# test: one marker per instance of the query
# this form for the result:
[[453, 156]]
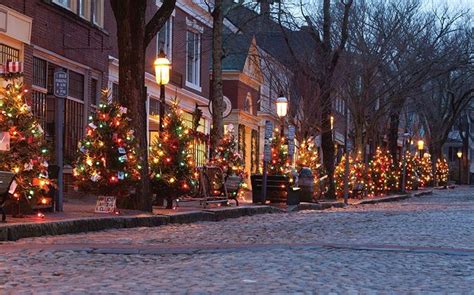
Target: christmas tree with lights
[[442, 171], [393, 175], [339, 174], [308, 157], [107, 156], [280, 163], [171, 158], [25, 152], [379, 168], [227, 156], [361, 180], [411, 177], [425, 170]]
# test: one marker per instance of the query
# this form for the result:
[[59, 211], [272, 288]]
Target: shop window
[[193, 66], [164, 39], [73, 128], [76, 85], [8, 53], [115, 92], [39, 72], [154, 108], [38, 107]]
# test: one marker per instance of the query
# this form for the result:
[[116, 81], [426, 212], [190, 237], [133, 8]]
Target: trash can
[[293, 198], [306, 183]]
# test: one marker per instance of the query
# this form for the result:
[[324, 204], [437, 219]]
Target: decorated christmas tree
[[171, 158], [442, 171], [393, 175], [107, 156], [361, 180], [379, 168], [411, 177], [425, 170], [23, 148], [227, 156], [308, 157], [280, 163], [339, 173]]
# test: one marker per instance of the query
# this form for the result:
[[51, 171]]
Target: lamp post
[[459, 154], [421, 147], [162, 75], [282, 110]]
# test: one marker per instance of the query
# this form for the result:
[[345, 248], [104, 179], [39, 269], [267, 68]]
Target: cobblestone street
[[423, 244]]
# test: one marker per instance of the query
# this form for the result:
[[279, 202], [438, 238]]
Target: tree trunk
[[393, 134], [435, 148], [327, 143], [217, 98], [130, 37]]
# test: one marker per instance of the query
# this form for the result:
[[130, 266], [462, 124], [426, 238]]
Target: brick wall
[[64, 33]]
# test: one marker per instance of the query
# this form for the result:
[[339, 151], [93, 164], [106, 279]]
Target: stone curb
[[394, 198], [27, 230]]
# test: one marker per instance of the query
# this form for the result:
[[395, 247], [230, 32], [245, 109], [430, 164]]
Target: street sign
[[291, 147], [61, 83], [291, 132], [267, 153], [268, 129]]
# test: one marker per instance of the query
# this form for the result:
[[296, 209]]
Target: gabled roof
[[236, 51]]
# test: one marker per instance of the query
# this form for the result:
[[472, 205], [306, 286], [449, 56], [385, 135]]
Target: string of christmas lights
[[107, 156], [28, 153], [171, 158]]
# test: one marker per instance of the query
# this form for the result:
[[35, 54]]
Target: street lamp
[[459, 154], [162, 75], [421, 147], [282, 110]]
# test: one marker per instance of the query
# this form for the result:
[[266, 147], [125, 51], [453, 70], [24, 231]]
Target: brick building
[[186, 41], [58, 34], [80, 37]]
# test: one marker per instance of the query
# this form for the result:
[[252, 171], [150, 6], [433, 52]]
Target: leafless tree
[[134, 33]]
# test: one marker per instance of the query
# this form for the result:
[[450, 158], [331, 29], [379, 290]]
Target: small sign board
[[267, 153], [291, 132], [232, 183], [4, 141], [61, 83], [106, 204], [291, 147], [268, 129]]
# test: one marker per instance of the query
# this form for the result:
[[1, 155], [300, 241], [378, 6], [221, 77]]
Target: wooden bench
[[277, 188], [6, 179]]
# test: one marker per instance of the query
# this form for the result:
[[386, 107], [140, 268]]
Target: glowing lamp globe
[[282, 106], [421, 145], [459, 154], [162, 69]]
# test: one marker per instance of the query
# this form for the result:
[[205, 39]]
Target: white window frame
[[196, 84], [71, 5], [169, 42], [87, 9], [99, 20]]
